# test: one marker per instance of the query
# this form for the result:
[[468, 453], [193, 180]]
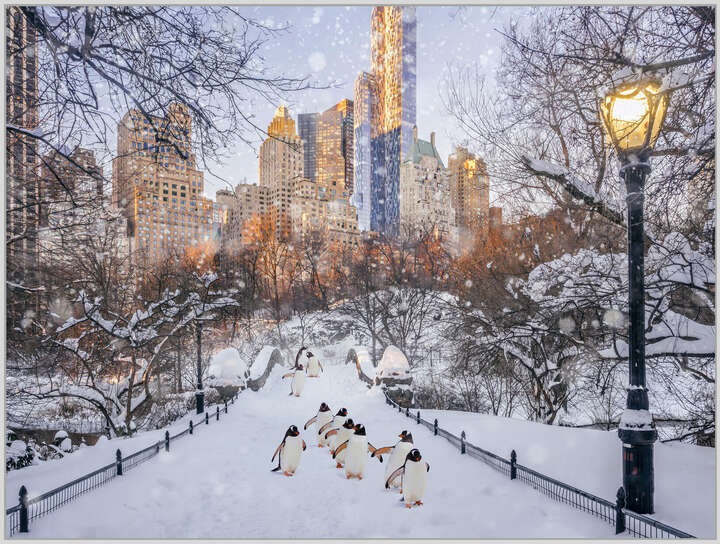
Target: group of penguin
[[348, 444]]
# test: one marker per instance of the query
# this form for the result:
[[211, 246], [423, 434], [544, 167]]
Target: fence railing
[[18, 517], [615, 514]]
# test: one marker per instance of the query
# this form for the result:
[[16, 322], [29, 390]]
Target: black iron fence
[[18, 517], [615, 514]]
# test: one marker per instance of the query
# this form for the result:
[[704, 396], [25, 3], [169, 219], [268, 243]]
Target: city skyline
[[333, 43]]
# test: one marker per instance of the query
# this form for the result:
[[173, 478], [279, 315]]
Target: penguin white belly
[[397, 459], [337, 422], [414, 481], [343, 435], [356, 456], [290, 454], [298, 382], [313, 368], [322, 419]]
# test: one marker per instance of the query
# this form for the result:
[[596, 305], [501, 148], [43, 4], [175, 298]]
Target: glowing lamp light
[[633, 114]]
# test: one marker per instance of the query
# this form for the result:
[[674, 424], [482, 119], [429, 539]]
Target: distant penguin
[[298, 380], [357, 449], [398, 455], [289, 449], [336, 423], [338, 437], [313, 365], [321, 418], [414, 478]]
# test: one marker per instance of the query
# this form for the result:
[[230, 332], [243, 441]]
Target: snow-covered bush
[[18, 455]]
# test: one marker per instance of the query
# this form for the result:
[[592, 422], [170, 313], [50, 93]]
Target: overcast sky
[[332, 44]]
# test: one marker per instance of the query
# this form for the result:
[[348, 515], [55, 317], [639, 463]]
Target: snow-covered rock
[[227, 368], [393, 363], [59, 436]]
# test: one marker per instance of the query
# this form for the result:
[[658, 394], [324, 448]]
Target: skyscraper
[[157, 185], [281, 164], [386, 104], [469, 189], [328, 146], [21, 114]]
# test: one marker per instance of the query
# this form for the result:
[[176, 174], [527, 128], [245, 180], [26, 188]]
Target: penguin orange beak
[[355, 427]]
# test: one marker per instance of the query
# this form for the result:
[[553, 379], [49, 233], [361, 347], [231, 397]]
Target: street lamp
[[633, 113]]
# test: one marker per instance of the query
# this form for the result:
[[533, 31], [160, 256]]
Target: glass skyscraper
[[385, 114]]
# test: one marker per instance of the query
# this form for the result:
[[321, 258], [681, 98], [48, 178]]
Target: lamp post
[[633, 113]]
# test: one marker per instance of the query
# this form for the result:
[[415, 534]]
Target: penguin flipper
[[340, 448], [330, 433], [373, 450], [304, 445], [428, 466], [288, 375], [276, 451], [378, 451], [397, 472], [310, 422], [321, 368], [322, 429], [277, 467]]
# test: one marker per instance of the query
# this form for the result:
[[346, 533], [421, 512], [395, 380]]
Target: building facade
[[22, 196], [425, 191], [469, 189], [315, 210], [157, 185], [328, 146], [364, 97], [281, 163], [389, 93]]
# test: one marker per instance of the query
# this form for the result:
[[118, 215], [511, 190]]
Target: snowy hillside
[[218, 484]]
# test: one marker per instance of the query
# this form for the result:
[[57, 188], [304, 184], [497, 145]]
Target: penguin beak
[[401, 435], [355, 427]]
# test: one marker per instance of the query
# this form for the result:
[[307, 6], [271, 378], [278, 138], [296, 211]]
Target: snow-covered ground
[[218, 484], [590, 460]]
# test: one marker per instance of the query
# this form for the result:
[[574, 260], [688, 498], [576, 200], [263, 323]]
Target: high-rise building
[[157, 185], [365, 96], [281, 163], [389, 94], [22, 176], [245, 203], [328, 146], [425, 191], [315, 209], [469, 189]]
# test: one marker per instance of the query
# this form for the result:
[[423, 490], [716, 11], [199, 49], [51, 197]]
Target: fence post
[[191, 427], [107, 432], [217, 413], [462, 442], [118, 463], [619, 514], [226, 406], [23, 510], [167, 440], [513, 465], [418, 417], [207, 419], [435, 427]]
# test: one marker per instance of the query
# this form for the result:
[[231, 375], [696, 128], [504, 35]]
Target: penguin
[[313, 366], [298, 380], [321, 418], [413, 475], [357, 448], [397, 457], [289, 450], [297, 357], [341, 435], [336, 422]]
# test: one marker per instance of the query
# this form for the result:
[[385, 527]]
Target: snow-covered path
[[218, 483]]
